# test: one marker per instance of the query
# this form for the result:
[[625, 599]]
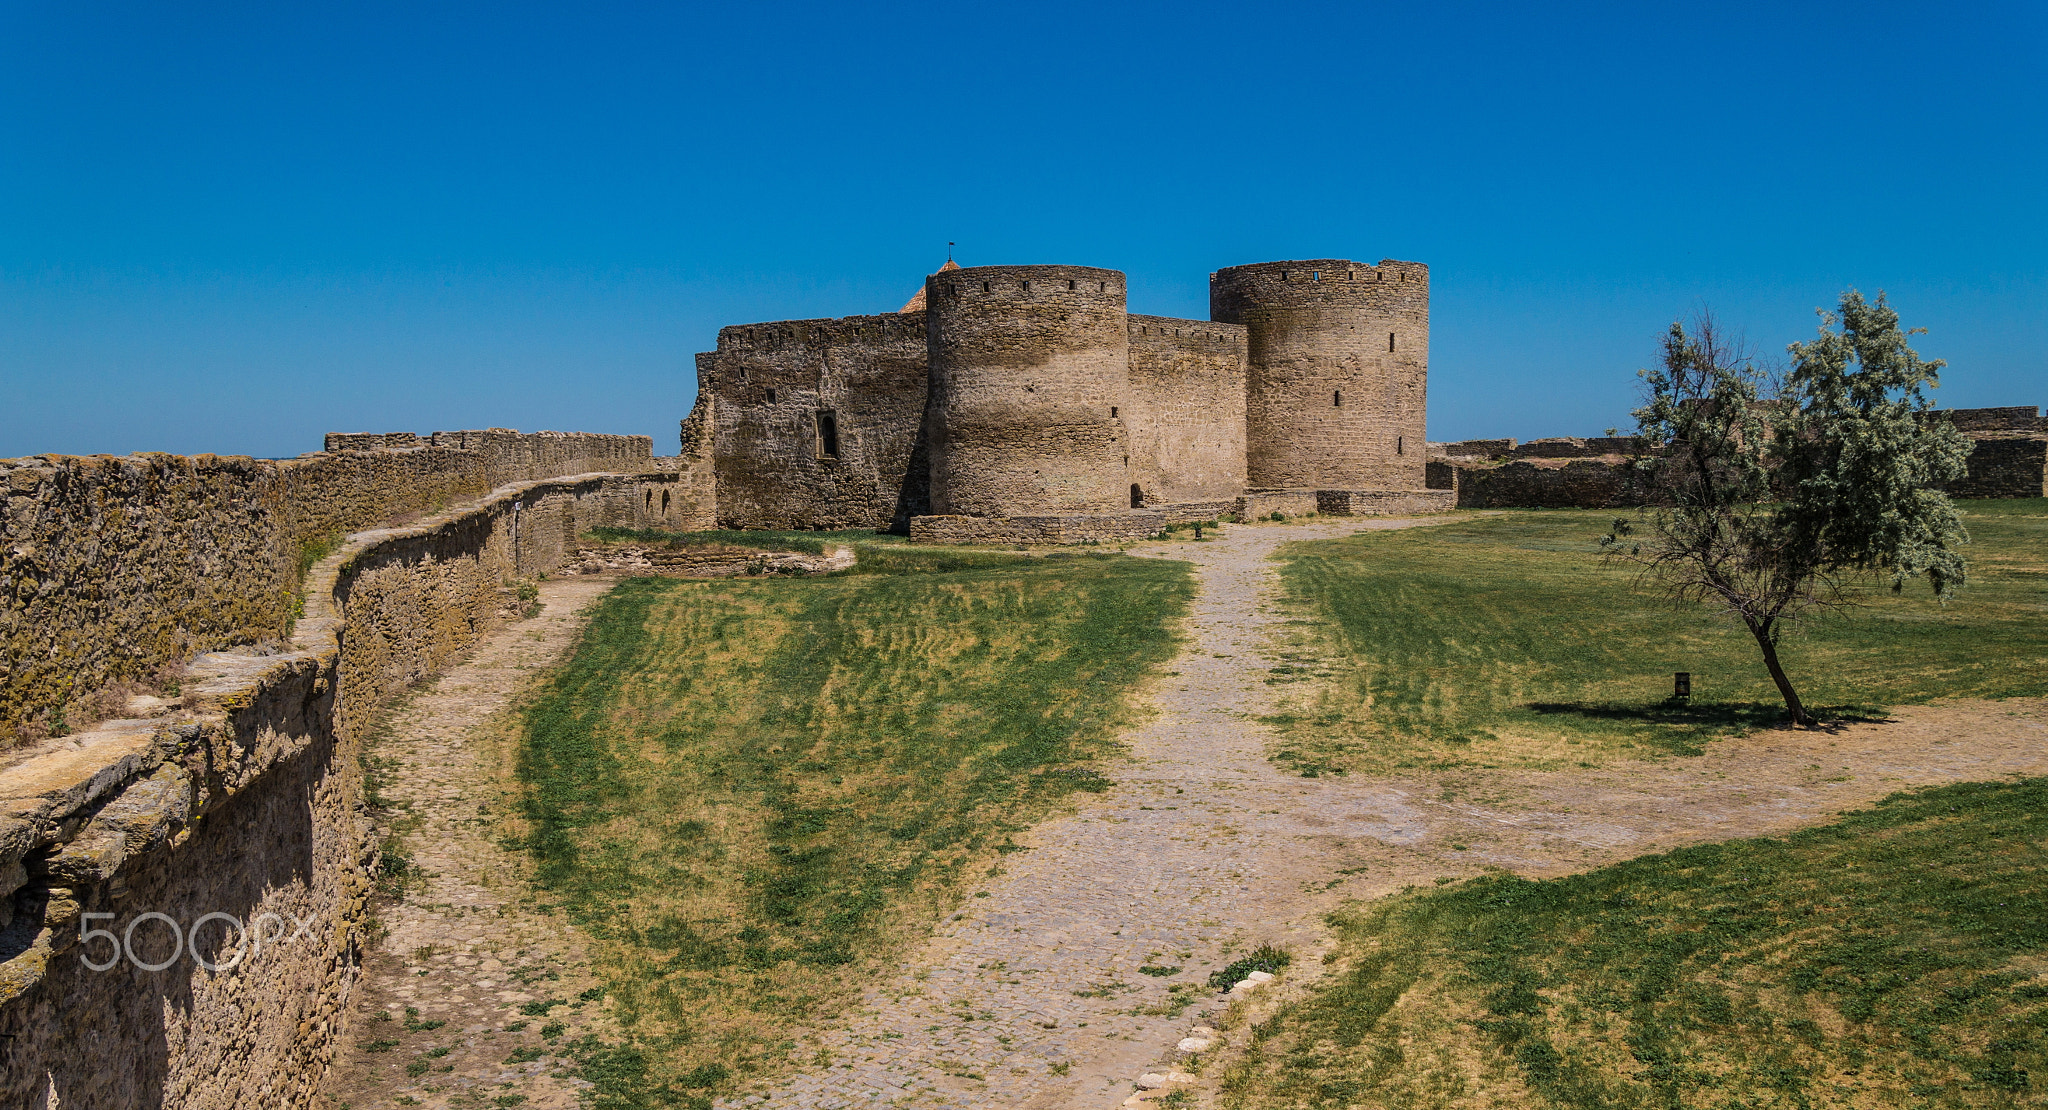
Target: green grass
[[1898, 958], [754, 793], [1505, 640]]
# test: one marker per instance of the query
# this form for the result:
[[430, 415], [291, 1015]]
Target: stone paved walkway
[[1037, 996], [443, 1014]]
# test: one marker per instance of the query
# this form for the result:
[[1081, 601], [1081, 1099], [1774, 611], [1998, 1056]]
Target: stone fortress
[[290, 601], [1028, 404]]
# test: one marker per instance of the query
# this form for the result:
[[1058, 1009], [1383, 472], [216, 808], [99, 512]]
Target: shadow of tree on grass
[[1739, 716]]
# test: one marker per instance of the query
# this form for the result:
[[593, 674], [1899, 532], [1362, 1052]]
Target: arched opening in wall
[[1137, 496], [828, 434], [1112, 412], [1390, 341], [650, 499], [1336, 398], [771, 396], [664, 501]]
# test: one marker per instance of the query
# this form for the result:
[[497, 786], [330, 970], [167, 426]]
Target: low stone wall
[[1577, 484], [240, 800], [2005, 466], [1188, 512], [656, 560], [1137, 524], [1259, 504], [1383, 502]]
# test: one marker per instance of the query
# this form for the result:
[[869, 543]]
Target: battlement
[[1086, 284], [830, 332], [1190, 333]]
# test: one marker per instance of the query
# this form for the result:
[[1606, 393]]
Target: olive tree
[[1777, 489]]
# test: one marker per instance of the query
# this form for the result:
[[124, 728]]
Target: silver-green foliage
[[1776, 495]]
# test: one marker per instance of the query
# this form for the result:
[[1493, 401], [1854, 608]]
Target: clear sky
[[232, 228]]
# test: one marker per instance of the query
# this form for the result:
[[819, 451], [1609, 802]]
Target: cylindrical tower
[[1337, 370], [1028, 366]]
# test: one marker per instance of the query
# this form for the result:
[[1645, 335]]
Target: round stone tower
[[1029, 366], [1338, 363]]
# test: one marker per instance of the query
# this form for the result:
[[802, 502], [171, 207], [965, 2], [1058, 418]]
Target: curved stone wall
[[1029, 371], [1337, 362]]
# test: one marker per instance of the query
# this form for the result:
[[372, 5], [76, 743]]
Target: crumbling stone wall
[[816, 423], [1184, 413], [1337, 370], [112, 566], [242, 800]]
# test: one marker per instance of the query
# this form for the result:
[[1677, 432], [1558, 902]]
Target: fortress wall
[[242, 801], [1578, 484], [1184, 413], [2005, 466], [764, 393], [1026, 363], [2016, 418], [112, 566], [1337, 368]]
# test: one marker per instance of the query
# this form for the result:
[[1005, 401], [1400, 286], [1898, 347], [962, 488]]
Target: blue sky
[[232, 228]]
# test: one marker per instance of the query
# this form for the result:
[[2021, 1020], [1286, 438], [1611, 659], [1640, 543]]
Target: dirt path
[[1053, 989], [444, 1015]]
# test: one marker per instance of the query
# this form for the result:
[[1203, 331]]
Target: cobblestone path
[[445, 1013], [1054, 987]]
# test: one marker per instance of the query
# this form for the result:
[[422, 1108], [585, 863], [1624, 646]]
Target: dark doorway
[[1137, 496], [828, 434]]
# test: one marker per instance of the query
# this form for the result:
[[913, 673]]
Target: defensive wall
[[2008, 458], [1185, 410], [239, 795], [1031, 392], [815, 424]]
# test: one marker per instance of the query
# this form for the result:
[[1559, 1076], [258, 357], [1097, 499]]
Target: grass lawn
[[753, 793], [1506, 641], [1898, 958]]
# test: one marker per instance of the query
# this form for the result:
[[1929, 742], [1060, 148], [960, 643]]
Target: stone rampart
[[1383, 502], [2015, 418], [2005, 466], [112, 566], [1577, 484], [241, 799]]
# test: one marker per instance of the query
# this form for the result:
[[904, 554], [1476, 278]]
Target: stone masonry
[[1031, 394]]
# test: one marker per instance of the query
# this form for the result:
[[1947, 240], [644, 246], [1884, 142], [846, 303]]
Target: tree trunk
[[1768, 643]]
